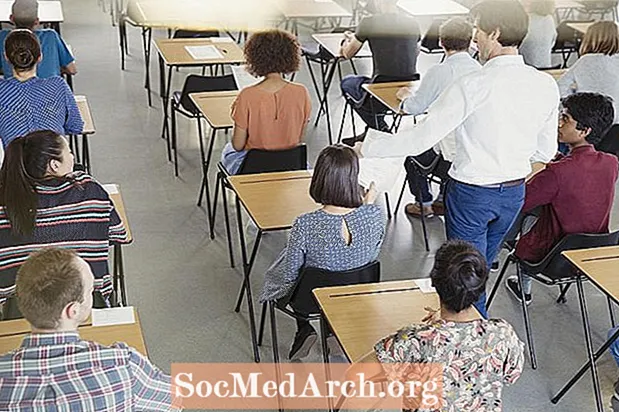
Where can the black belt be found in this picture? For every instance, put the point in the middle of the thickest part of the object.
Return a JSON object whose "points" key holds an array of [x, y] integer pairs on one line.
{"points": [[509, 183]]}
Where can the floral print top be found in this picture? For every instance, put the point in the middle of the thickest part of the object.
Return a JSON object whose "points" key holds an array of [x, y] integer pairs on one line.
{"points": [[478, 358]]}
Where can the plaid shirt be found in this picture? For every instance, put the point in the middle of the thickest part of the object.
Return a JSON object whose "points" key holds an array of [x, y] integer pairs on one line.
{"points": [[61, 372]]}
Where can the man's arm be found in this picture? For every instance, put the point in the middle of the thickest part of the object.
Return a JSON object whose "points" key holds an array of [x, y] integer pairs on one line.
{"points": [[429, 90], [350, 46], [547, 144], [152, 389], [444, 115], [540, 190]]}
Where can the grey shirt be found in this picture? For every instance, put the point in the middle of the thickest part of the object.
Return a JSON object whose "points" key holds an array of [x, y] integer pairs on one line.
{"points": [[537, 46], [394, 41]]}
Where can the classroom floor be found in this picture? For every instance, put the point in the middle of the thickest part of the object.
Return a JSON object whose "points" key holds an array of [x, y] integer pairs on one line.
{"points": [[180, 280]]}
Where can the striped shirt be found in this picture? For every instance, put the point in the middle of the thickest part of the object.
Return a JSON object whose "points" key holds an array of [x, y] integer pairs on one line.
{"points": [[37, 104], [75, 213], [59, 372]]}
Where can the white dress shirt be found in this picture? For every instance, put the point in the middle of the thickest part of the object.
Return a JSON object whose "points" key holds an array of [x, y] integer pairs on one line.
{"points": [[505, 116], [433, 83]]}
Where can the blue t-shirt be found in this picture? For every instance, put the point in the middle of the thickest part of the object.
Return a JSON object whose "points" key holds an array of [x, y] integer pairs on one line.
{"points": [[56, 54]]}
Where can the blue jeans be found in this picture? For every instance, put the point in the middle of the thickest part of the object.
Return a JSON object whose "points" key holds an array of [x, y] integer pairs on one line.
{"points": [[352, 86], [482, 216], [614, 348]]}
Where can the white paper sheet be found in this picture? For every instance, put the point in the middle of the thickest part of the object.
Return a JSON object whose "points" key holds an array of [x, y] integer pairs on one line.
{"points": [[80, 98], [243, 78], [113, 316], [111, 189], [204, 52], [383, 172], [425, 285], [221, 39]]}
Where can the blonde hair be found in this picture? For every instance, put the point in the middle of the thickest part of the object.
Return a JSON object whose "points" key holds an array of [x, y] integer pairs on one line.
{"points": [[541, 7], [602, 37]]}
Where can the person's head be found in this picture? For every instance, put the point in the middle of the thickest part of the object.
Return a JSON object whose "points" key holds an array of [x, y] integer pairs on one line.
{"points": [[584, 118], [28, 160], [539, 7], [499, 24], [22, 50], [602, 37], [335, 181], [54, 290], [456, 34], [25, 14], [272, 51], [459, 275]]}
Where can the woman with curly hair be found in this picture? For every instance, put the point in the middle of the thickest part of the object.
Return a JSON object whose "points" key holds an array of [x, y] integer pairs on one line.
{"points": [[272, 114]]}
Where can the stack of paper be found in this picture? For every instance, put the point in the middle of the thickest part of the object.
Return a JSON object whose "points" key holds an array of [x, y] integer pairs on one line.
{"points": [[243, 78], [113, 316], [204, 52]]}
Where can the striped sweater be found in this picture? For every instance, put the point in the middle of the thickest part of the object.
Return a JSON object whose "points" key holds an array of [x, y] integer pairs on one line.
{"points": [[76, 214]]}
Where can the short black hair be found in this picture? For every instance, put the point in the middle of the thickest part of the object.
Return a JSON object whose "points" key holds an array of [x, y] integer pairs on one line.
{"points": [[459, 275], [335, 180], [508, 16], [456, 34], [593, 111]]}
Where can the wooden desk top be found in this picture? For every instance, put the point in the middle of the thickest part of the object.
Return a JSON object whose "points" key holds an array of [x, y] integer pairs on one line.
{"points": [[311, 9], [215, 107], [419, 8], [174, 53], [555, 73], [49, 11], [361, 315], [600, 265], [581, 27], [84, 108], [13, 332], [117, 199], [274, 200], [386, 92], [332, 43]]}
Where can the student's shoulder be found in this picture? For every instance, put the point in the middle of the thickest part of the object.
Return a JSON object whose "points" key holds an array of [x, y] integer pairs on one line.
{"points": [[47, 33], [502, 328], [88, 185]]}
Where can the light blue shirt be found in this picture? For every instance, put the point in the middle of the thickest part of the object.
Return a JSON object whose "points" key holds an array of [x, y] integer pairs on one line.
{"points": [[437, 79]]}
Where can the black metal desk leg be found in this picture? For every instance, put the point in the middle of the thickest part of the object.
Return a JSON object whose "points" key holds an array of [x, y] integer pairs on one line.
{"points": [[86, 154], [587, 328], [147, 35], [119, 273]]}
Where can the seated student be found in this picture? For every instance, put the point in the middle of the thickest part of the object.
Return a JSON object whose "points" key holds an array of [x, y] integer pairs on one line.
{"points": [[57, 58], [479, 356], [28, 103], [455, 38], [54, 369], [393, 37], [575, 192], [43, 203], [346, 233], [272, 114], [536, 48], [597, 70]]}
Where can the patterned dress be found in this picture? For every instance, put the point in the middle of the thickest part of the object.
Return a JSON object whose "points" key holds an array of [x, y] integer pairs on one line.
{"points": [[316, 241], [478, 359]]}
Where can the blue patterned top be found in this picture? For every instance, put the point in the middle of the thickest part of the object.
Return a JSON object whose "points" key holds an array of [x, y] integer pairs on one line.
{"points": [[316, 241], [37, 104]]}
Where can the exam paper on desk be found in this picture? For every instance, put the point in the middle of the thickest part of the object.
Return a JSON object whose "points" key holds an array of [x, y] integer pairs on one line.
{"points": [[387, 174]]}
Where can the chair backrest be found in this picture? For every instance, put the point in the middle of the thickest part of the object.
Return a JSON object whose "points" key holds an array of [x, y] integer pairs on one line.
{"points": [[381, 78], [197, 84], [190, 34], [610, 141], [566, 36], [430, 41], [268, 161], [302, 299], [554, 266]]}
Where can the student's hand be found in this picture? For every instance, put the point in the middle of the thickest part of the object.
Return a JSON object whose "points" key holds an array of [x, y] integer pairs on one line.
{"points": [[370, 195], [404, 92], [348, 35], [357, 149], [433, 315]]}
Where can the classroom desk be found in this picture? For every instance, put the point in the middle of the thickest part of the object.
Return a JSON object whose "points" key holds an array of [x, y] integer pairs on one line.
{"points": [[434, 8], [215, 107], [581, 28], [89, 128], [330, 42], [556, 73], [294, 10], [119, 267], [360, 315], [50, 12], [600, 266], [173, 53], [386, 93], [13, 331], [288, 197]]}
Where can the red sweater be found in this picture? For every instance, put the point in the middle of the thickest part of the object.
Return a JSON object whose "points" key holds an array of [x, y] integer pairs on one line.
{"points": [[576, 193]]}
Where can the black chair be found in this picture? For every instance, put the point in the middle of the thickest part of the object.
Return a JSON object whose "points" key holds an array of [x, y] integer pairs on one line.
{"points": [[610, 141], [10, 310], [182, 103], [430, 43], [301, 304], [435, 172], [256, 161], [553, 270], [568, 41]]}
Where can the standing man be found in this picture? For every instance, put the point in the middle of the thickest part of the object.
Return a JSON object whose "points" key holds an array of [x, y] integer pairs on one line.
{"points": [[504, 116], [394, 40]]}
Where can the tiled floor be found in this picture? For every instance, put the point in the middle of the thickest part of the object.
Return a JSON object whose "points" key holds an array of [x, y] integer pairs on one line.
{"points": [[180, 280]]}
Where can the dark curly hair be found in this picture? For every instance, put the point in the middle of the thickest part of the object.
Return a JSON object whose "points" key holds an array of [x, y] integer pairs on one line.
{"points": [[272, 51], [593, 111], [459, 275]]}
